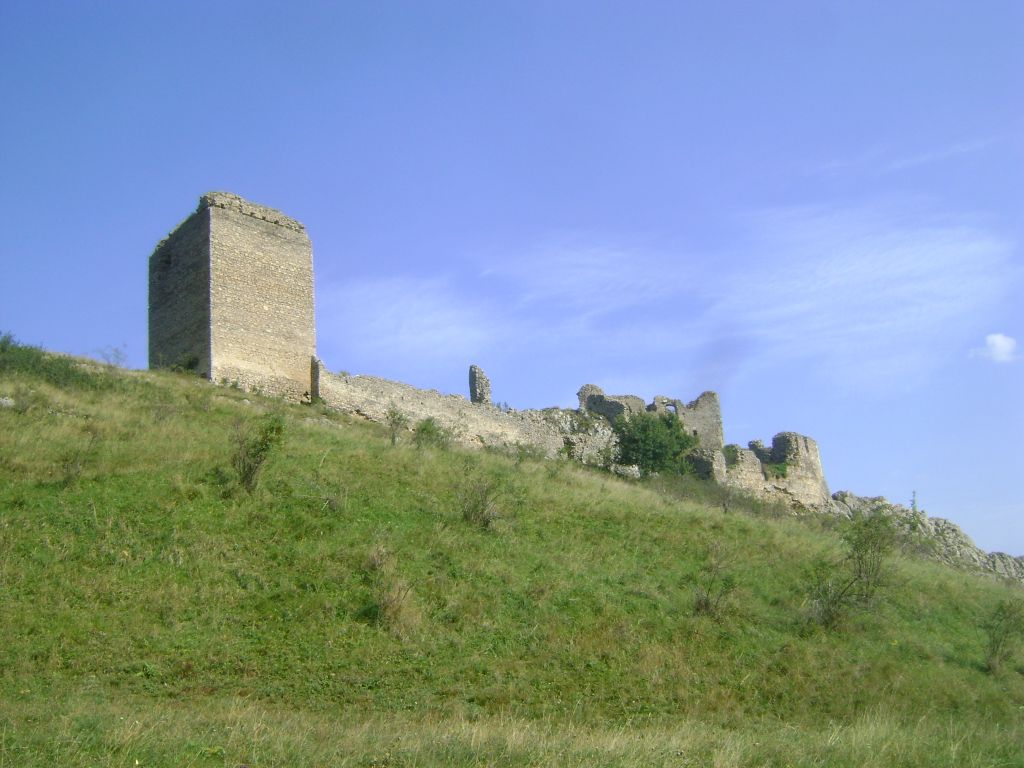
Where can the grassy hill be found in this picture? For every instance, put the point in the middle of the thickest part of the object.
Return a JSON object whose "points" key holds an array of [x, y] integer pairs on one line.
{"points": [[377, 605]]}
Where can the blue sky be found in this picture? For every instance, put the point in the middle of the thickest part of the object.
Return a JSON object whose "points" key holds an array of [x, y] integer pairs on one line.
{"points": [[813, 208]]}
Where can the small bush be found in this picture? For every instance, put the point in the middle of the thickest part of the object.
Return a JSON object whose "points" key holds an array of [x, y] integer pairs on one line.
{"points": [[829, 598], [429, 434], [396, 421], [714, 584], [253, 444], [836, 588], [390, 604], [869, 541], [528, 452], [654, 442], [479, 499], [74, 460], [113, 357], [1004, 630]]}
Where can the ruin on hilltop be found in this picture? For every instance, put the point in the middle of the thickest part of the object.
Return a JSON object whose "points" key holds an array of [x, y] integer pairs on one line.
{"points": [[231, 298]]}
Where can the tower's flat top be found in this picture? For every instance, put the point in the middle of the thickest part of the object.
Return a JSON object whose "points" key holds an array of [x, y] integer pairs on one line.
{"points": [[233, 202]]}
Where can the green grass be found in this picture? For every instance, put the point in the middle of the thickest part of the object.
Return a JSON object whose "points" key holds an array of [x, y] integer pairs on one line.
{"points": [[348, 613]]}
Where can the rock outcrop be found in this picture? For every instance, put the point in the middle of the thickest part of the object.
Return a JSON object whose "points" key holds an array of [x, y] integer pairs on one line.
{"points": [[933, 537]]}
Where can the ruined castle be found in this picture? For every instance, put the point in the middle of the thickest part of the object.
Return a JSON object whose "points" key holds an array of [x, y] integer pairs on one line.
{"points": [[231, 298]]}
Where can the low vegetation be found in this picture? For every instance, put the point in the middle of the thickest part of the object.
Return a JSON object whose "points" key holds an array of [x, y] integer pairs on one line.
{"points": [[369, 604], [654, 443]]}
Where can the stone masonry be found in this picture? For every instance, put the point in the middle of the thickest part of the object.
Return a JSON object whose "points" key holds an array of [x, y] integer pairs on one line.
{"points": [[231, 297], [790, 471], [479, 386]]}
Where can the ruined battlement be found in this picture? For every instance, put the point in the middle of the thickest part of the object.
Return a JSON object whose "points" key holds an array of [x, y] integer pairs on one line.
{"points": [[232, 202]]}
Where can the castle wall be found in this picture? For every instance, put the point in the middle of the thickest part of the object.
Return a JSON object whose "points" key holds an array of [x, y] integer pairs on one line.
{"points": [[261, 277], [805, 478], [745, 473], [593, 399], [552, 431], [703, 417], [803, 482], [179, 298]]}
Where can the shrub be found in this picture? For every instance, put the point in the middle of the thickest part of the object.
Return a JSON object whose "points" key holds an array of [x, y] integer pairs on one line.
{"points": [[396, 421], [869, 541], [1004, 630], [654, 442], [253, 444], [428, 433], [714, 584], [389, 605], [479, 499], [74, 460], [836, 588]]}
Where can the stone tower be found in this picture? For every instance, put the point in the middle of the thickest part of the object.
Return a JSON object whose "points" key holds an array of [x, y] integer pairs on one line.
{"points": [[231, 297]]}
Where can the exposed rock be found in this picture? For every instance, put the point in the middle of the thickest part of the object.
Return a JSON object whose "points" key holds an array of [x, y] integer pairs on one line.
{"points": [[933, 537], [631, 471], [479, 386], [6, 402]]}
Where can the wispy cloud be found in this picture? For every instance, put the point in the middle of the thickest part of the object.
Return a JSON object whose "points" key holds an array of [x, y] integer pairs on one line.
{"points": [[880, 161], [863, 297], [937, 154], [403, 318], [999, 348], [868, 295]]}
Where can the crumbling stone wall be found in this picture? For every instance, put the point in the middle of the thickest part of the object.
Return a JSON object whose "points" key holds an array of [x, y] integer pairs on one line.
{"points": [[593, 399], [790, 471], [702, 417], [553, 431], [474, 424], [232, 288], [479, 386]]}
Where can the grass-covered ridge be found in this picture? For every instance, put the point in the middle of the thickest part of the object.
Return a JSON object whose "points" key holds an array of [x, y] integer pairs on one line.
{"points": [[354, 610]]}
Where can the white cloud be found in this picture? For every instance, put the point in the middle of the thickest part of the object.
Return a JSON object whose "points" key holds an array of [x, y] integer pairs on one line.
{"points": [[999, 348]]}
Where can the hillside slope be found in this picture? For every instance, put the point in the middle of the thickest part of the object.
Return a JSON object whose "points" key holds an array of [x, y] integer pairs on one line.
{"points": [[370, 604]]}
